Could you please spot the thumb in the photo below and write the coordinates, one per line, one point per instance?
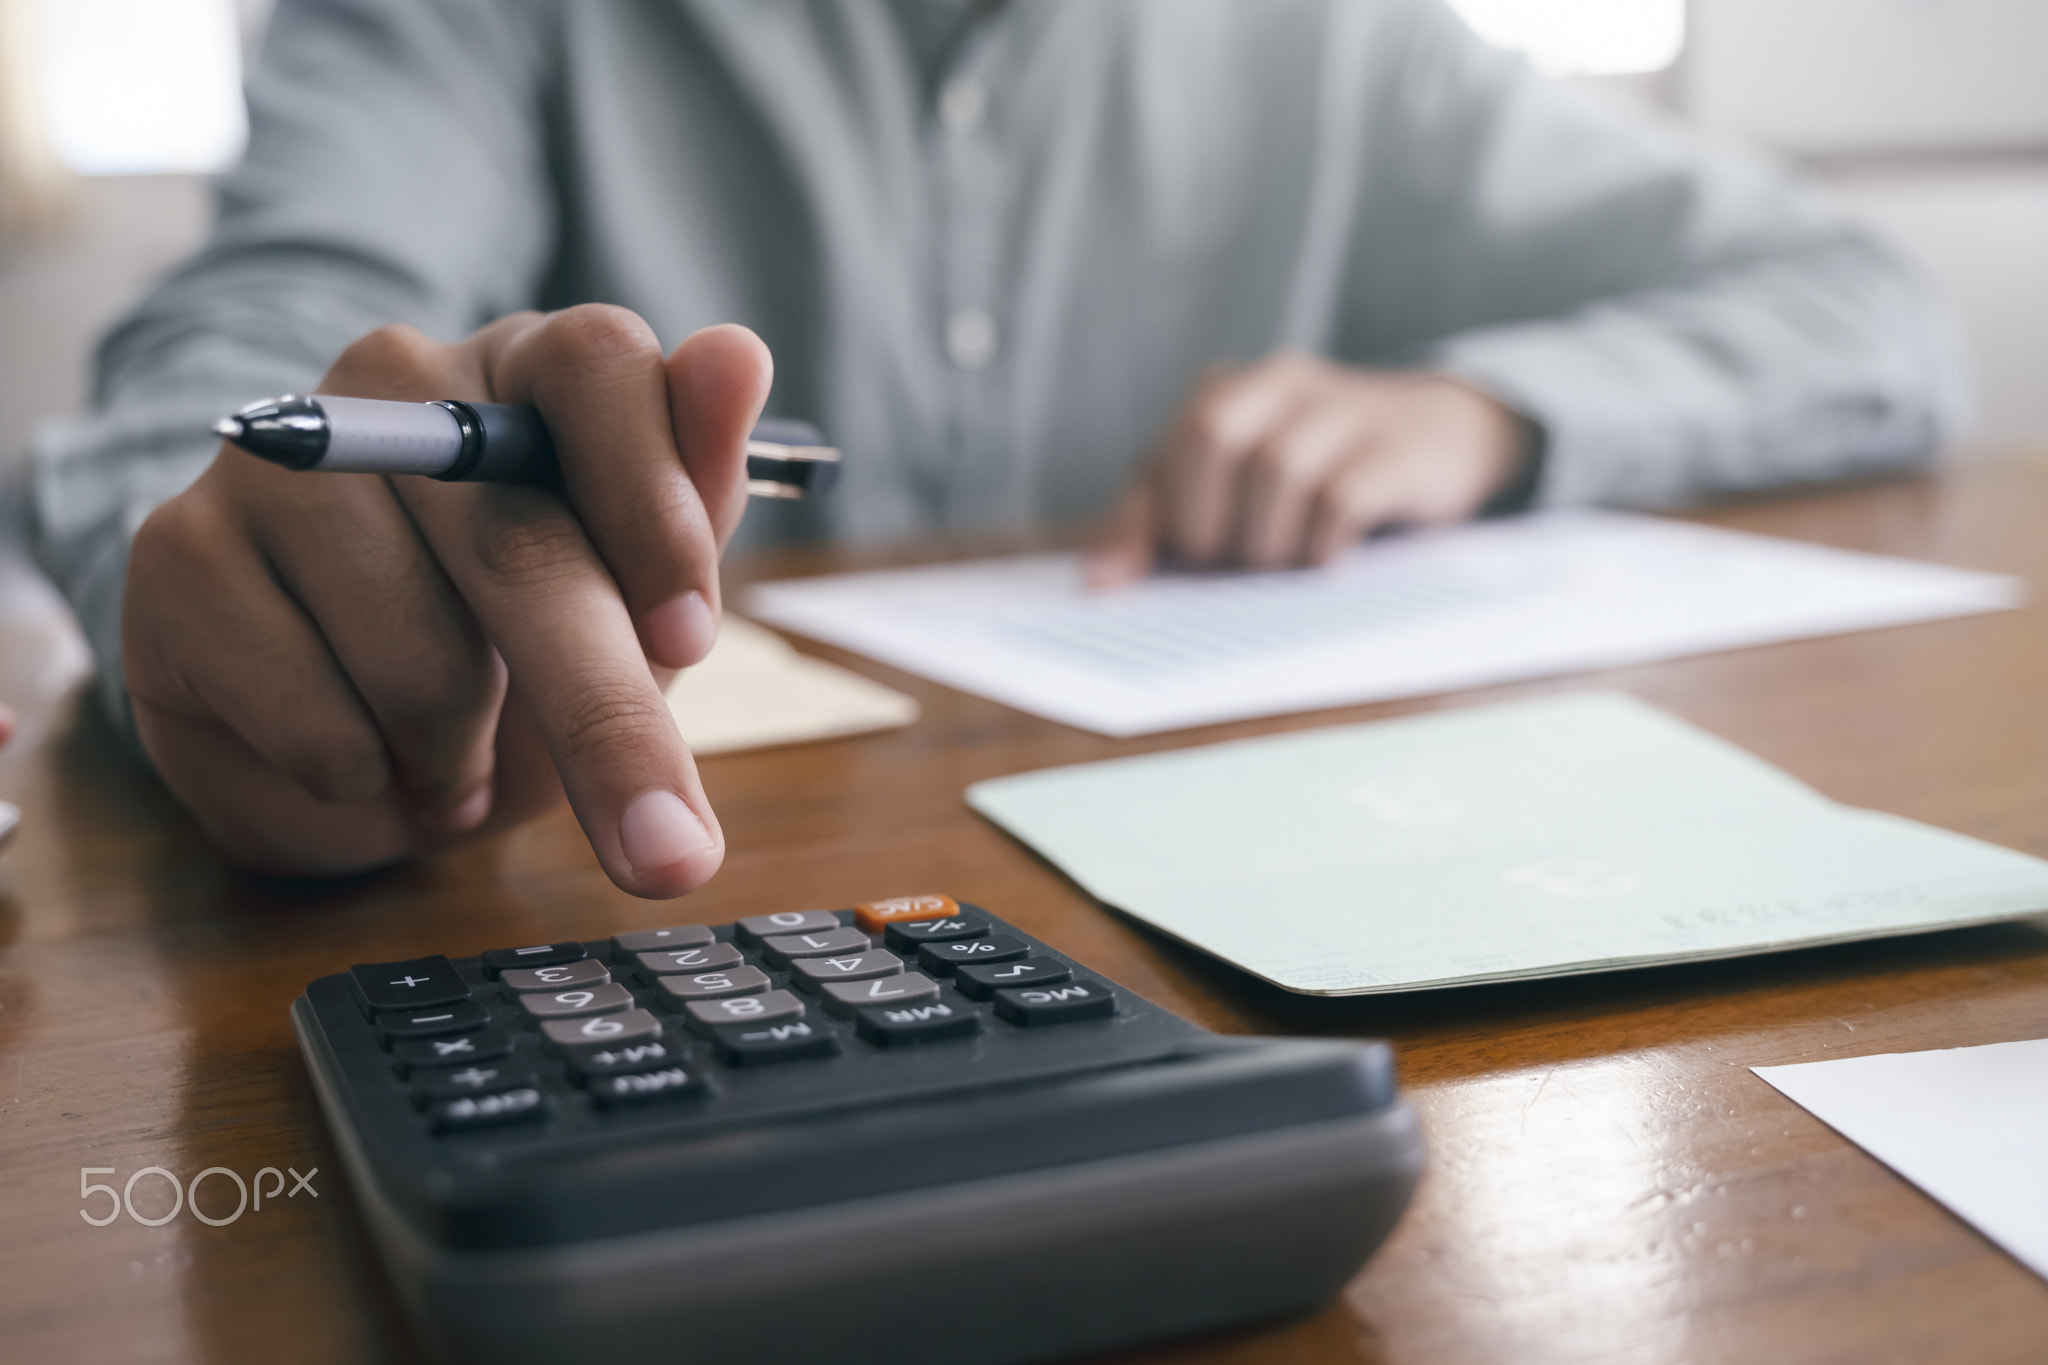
(718, 380)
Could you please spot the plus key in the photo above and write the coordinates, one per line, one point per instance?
(408, 985)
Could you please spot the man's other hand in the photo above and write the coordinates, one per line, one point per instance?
(336, 671)
(1289, 461)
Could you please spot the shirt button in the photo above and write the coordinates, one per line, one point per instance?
(971, 338)
(963, 104)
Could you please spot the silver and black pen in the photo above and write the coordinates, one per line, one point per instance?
(460, 442)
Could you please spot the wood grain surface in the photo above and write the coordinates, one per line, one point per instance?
(1608, 1181)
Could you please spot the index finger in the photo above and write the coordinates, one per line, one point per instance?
(520, 558)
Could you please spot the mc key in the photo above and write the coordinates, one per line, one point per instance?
(1080, 998)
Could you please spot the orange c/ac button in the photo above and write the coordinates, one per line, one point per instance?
(875, 916)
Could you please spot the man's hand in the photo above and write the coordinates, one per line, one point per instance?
(1291, 460)
(338, 670)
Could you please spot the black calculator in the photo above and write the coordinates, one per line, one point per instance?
(903, 1132)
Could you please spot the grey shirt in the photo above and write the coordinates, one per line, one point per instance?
(992, 242)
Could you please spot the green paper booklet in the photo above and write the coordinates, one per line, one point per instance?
(1575, 833)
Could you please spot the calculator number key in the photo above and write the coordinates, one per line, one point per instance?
(944, 957)
(788, 1040)
(624, 1027)
(571, 975)
(754, 928)
(604, 999)
(499, 960)
(844, 997)
(706, 985)
(468, 1113)
(928, 1021)
(1081, 998)
(980, 980)
(783, 949)
(876, 916)
(708, 957)
(743, 1009)
(809, 973)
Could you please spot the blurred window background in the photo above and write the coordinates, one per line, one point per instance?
(113, 116)
(142, 87)
(1583, 37)
(1926, 118)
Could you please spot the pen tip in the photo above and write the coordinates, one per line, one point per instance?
(228, 428)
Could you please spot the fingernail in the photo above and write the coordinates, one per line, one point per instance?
(681, 630)
(471, 812)
(658, 831)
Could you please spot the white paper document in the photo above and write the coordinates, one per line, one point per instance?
(1565, 834)
(1404, 617)
(1968, 1125)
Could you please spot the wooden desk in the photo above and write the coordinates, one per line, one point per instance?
(1609, 1181)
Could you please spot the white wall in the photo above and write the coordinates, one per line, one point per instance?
(61, 288)
(1979, 230)
(1836, 76)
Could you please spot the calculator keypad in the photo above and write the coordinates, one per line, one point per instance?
(535, 1035)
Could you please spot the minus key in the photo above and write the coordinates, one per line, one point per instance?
(461, 1017)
